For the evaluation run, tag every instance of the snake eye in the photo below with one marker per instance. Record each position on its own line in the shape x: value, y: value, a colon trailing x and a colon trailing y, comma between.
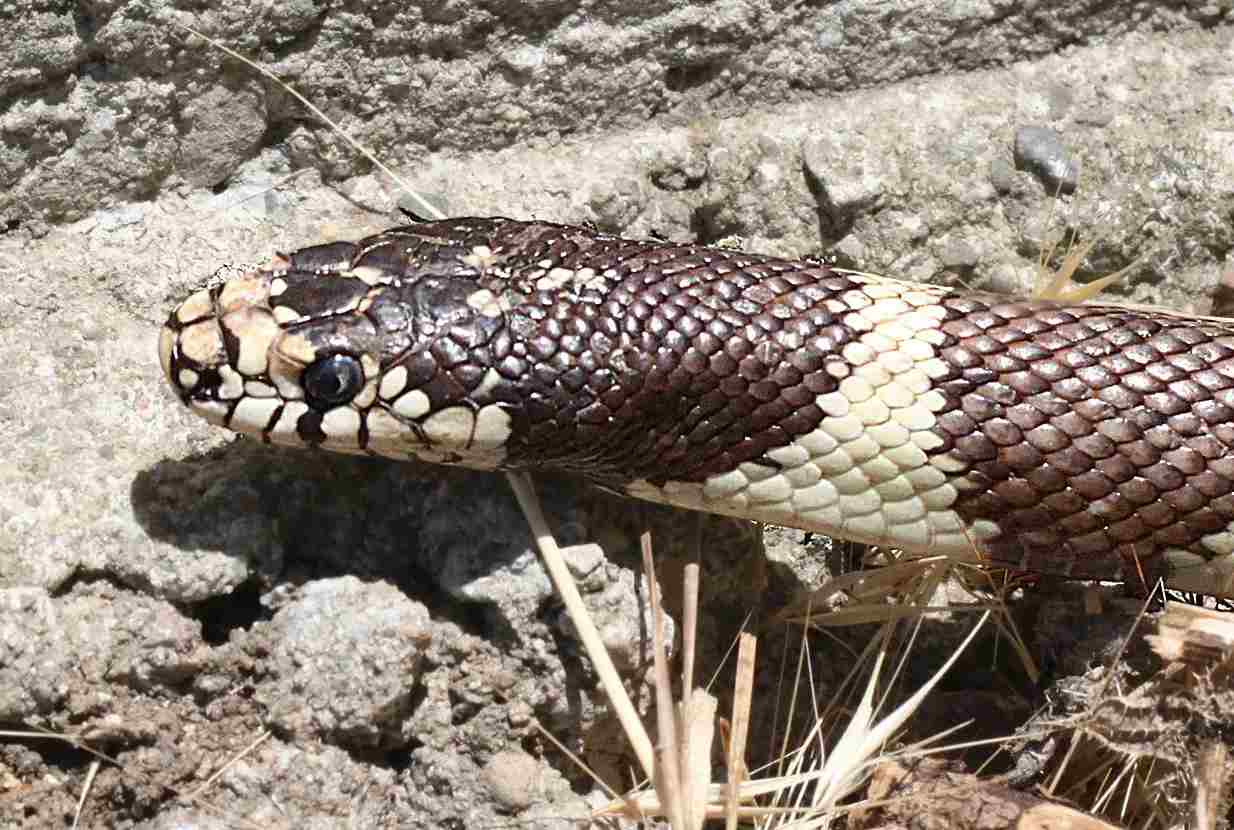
x: 331, y: 381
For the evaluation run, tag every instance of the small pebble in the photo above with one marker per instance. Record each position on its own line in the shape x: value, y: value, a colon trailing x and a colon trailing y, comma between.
x: 513, y: 777
x: 1040, y: 151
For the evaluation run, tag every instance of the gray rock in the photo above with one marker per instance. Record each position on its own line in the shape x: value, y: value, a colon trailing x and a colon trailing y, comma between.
x: 808, y: 556
x: 67, y: 652
x: 416, y: 204
x: 958, y: 252
x: 1002, y: 175
x: 279, y: 785
x: 513, y: 779
x: 256, y: 188
x: 222, y: 127
x: 1040, y: 151
x: 679, y: 163
x: 123, y: 216
x: 341, y: 662
x: 186, y: 818
x: 42, y: 43
x: 850, y: 183
x: 1011, y: 278
x: 486, y: 554
x: 485, y: 78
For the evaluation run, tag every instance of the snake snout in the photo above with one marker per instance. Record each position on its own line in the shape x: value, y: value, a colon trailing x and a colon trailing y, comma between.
x: 192, y: 353
x: 213, y: 347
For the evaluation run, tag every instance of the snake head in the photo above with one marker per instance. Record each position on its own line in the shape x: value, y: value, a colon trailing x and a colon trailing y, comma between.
x: 352, y: 347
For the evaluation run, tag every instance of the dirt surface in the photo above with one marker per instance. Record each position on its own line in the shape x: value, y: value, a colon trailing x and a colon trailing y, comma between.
x: 383, y: 633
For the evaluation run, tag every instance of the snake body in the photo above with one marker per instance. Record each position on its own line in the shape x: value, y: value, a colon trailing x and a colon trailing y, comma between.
x: 1085, y: 441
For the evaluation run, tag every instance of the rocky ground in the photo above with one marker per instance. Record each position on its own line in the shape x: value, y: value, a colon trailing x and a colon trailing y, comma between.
x: 172, y: 596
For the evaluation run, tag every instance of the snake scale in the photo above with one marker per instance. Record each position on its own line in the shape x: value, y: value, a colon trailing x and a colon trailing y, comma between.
x: 1084, y: 441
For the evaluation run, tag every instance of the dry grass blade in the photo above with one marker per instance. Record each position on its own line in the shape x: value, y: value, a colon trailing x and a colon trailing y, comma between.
x: 912, y: 581
x: 812, y: 796
x: 85, y: 791
x: 256, y: 742
x: 683, y: 769
x: 864, y: 737
x: 1212, y: 783
x: 1002, y: 614
x: 735, y: 749
x: 698, y: 733
x: 1060, y: 285
x: 698, y: 708
x: 682, y: 788
x: 78, y: 743
x: 689, y: 624
x: 525, y: 492
x: 667, y: 773
x: 865, y: 587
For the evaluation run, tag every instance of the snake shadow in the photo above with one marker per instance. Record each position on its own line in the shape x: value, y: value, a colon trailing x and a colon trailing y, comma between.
x: 452, y: 539
x: 289, y: 516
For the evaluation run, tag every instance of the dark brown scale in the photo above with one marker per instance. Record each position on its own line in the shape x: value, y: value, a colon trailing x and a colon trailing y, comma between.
x: 307, y: 291
x: 1098, y: 482
x: 1096, y: 447
x: 956, y: 423
x: 316, y: 257
x: 1073, y: 424
x: 1070, y: 461
x: 1026, y: 417
x: 1050, y: 404
x: 1157, y: 514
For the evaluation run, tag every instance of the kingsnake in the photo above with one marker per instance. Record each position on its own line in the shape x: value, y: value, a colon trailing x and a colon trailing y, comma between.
x: 1085, y: 441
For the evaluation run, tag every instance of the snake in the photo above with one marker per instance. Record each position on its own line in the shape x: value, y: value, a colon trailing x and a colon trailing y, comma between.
x: 1078, y: 440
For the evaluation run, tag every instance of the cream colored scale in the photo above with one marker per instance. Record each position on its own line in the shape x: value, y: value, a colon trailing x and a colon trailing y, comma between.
x: 864, y: 473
